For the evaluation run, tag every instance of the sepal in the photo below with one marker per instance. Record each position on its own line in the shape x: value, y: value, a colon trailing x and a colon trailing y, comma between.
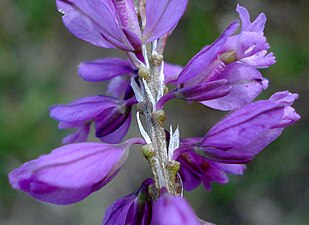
x: 72, y: 172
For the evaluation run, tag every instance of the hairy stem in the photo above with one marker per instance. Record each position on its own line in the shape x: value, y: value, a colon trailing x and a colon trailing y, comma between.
x: 159, y: 161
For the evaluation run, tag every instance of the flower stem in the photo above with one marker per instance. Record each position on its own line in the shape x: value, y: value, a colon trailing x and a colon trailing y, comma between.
x: 155, y: 119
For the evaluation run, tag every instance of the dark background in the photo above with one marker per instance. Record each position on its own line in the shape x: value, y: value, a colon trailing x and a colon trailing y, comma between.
x: 38, y: 59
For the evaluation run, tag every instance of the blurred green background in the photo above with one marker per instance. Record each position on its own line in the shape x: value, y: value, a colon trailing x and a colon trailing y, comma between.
x: 38, y: 59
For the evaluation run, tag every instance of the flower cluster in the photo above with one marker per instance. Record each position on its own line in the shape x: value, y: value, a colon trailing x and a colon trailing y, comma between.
x: 222, y: 76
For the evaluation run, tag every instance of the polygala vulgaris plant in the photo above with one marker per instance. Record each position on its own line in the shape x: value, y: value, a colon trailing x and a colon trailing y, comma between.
x: 222, y: 76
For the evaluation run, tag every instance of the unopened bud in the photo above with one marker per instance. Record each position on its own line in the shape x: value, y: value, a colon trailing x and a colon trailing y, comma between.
x: 173, y: 166
x: 148, y: 151
x: 156, y: 59
x: 159, y: 116
x: 143, y: 72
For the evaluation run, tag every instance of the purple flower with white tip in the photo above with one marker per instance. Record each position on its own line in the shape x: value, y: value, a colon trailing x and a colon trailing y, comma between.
x: 232, y: 62
x: 72, y: 172
x: 115, y: 23
x: 250, y: 46
x: 209, y: 80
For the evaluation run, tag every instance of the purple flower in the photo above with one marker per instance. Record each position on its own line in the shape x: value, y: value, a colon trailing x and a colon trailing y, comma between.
x: 72, y: 172
x: 235, y: 140
x: 224, y: 74
x: 135, y: 208
x: 111, y: 117
x: 254, y: 126
x: 206, y: 78
x: 173, y: 210
x: 250, y: 46
x: 114, y: 23
x: 200, y: 79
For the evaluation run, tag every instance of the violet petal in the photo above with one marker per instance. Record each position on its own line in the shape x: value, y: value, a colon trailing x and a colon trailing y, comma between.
x: 127, y: 15
x: 246, y: 84
x: 132, y: 209
x: 244, y: 125
x: 81, y: 135
x: 257, y: 25
x: 104, y: 69
x: 162, y: 16
x: 70, y: 173
x: 118, y: 86
x: 83, y: 109
x: 205, y: 91
x: 171, y: 73
x: 173, y: 210
x: 118, y: 135
x: 284, y: 97
x: 87, y: 19
x: 200, y: 62
x: 110, y: 120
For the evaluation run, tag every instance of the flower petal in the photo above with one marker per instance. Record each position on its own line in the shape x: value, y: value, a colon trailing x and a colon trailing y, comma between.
x: 259, y: 143
x: 201, y: 61
x: 118, y: 211
x: 246, y: 84
x: 127, y: 15
x: 205, y: 91
x: 117, y: 86
x: 110, y: 121
x: 196, y: 169
x: 173, y: 210
x: 81, y: 135
x: 88, y: 19
x: 116, y: 136
x: 104, y: 69
x: 162, y: 16
x: 284, y: 97
x: 243, y: 126
x: 83, y: 109
x: 171, y: 73
x: 132, y: 209
x: 257, y: 25
x: 70, y: 173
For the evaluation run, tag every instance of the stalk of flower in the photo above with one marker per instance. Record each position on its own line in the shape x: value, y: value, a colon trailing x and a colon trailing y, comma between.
x: 223, y: 76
